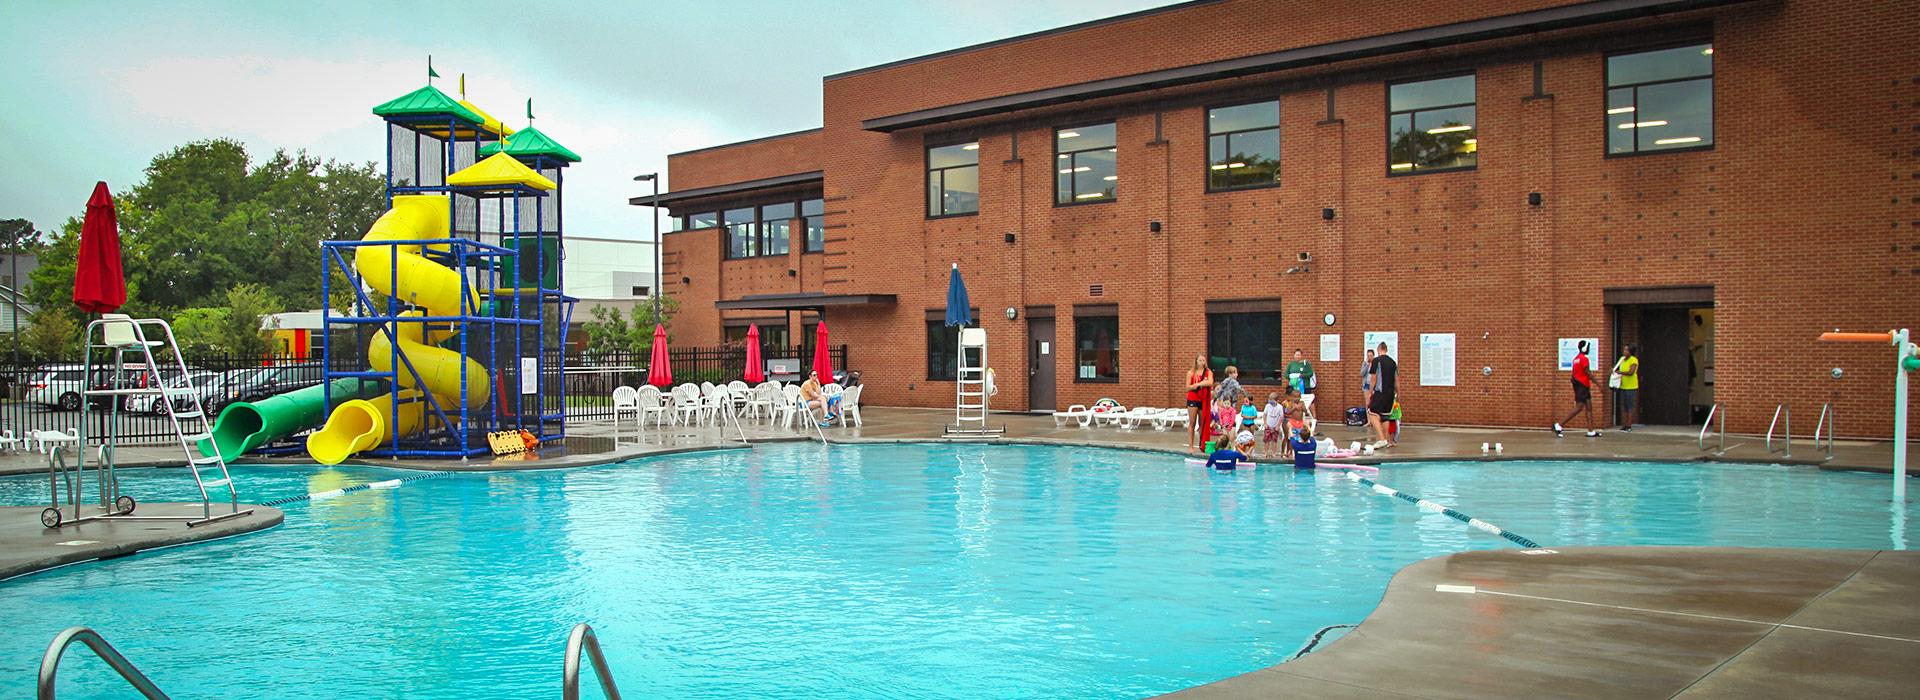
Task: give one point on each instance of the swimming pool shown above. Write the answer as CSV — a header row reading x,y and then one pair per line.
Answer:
x,y
915,570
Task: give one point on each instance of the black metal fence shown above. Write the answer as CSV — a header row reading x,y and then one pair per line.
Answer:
x,y
46,395
591,378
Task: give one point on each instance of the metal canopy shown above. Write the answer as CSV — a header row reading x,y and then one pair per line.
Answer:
x,y
804,301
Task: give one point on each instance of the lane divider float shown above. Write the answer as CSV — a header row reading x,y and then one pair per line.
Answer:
x,y
336,493
1432,507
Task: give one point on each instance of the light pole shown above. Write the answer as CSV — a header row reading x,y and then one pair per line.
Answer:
x,y
653,206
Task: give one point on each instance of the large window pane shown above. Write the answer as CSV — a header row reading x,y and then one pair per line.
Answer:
x,y
1081,138
1096,348
1095,172
1259,115
943,350
740,230
1087,166
1253,158
950,156
1249,341
708,219
1436,130
1243,146
960,190
953,179
1654,66
816,222
776,228
1660,100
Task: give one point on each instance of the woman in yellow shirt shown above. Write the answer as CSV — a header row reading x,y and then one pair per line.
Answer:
x,y
1628,369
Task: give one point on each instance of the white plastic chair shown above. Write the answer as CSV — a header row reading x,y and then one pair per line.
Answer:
x,y
762,397
1137,417
1077,413
850,406
706,389
740,393
686,404
8,442
787,406
625,400
652,404
714,405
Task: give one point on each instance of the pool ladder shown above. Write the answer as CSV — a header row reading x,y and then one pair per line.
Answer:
x,y
1783,419
1712,413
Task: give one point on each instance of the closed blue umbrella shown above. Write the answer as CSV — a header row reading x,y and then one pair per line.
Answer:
x,y
958,313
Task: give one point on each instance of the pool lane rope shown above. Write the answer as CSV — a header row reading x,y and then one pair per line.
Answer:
x,y
336,493
1432,507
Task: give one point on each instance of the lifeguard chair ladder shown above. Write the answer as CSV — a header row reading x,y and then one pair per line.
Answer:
x,y
973,389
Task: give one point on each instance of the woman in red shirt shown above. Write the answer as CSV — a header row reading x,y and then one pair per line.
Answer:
x,y
1582,392
1199,386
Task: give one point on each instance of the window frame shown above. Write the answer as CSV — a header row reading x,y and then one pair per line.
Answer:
x,y
1206,145
761,221
926,163
1280,363
1387,98
939,323
1053,164
1606,86
726,240
1101,313
806,238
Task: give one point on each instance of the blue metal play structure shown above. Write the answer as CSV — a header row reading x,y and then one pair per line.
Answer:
x,y
458,304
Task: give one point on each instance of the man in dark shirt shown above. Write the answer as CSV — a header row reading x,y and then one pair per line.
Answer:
x,y
1387,373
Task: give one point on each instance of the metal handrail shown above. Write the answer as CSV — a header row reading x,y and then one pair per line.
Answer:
x,y
50,663
1702,440
582,638
1829,421
1786,445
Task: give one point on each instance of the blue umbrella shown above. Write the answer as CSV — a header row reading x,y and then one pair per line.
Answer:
x,y
958,313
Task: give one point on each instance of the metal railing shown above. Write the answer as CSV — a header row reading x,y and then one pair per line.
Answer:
x,y
50,663
1786,443
1702,440
1829,423
582,638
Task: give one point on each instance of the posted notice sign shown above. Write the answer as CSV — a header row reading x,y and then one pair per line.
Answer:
x,y
1436,359
1569,347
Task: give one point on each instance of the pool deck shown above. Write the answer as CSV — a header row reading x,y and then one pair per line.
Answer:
x,y
1623,622
27,547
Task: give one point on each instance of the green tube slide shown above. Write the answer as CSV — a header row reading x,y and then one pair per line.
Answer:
x,y
246,425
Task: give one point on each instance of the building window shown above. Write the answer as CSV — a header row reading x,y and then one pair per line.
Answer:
x,y
1087,164
1660,100
1430,126
640,291
1243,146
813,210
1249,340
776,228
953,179
741,241
1096,346
710,219
943,346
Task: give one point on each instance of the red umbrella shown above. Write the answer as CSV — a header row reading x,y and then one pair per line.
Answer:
x,y
659,370
755,374
99,286
822,359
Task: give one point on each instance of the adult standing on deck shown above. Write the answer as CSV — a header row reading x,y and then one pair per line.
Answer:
x,y
1199,389
1582,393
1628,370
1300,378
1386,374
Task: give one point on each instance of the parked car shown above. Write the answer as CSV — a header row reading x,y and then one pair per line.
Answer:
x,y
129,376
58,386
255,384
205,383
234,384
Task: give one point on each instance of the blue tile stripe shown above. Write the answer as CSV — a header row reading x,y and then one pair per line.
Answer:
x,y
324,495
1427,505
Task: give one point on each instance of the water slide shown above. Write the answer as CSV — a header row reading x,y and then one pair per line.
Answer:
x,y
246,425
402,272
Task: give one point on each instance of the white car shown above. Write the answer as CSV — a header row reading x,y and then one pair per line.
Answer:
x,y
204,382
59,386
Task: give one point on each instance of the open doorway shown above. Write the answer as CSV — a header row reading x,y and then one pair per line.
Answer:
x,y
1673,329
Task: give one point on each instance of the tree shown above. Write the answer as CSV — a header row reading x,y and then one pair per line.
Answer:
x,y
19,236
610,331
240,332
200,330
55,334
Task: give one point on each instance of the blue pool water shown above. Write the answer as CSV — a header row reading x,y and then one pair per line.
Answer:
x,y
871,571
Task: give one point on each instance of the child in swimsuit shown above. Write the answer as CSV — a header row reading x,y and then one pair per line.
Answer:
x,y
1274,418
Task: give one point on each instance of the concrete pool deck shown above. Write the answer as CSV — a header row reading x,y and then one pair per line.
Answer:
x,y
1623,622
26,546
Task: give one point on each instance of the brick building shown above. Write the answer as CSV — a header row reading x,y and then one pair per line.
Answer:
x,y
1716,181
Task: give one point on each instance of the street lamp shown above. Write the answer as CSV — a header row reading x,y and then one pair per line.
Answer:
x,y
653,205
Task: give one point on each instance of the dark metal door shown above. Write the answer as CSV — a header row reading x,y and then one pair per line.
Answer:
x,y
1040,351
1664,358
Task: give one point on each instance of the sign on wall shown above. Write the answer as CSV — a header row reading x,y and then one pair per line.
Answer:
x,y
529,375
1436,359
1373,339
1569,347
1329,347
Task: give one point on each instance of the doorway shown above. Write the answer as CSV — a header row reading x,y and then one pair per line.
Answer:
x,y
1040,349
1673,329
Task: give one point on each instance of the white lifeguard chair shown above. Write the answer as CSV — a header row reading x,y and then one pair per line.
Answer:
x,y
973,389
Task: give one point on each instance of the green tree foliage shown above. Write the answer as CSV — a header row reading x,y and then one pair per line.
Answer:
x,y
199,329
19,235
611,331
55,334
240,332
207,218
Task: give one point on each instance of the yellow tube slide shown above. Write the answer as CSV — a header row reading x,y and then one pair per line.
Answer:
x,y
402,272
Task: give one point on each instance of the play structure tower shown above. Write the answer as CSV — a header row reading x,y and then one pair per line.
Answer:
x,y
457,307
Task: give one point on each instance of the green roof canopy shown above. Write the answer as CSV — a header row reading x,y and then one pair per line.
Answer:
x,y
428,100
531,142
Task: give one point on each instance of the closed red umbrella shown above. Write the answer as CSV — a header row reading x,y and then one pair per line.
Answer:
x,y
99,285
659,370
822,359
755,374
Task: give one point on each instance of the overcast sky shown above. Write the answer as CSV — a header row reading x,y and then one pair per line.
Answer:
x,y
94,90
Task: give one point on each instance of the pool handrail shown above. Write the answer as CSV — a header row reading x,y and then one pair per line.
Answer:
x,y
1786,446
583,638
50,663
1708,425
1828,422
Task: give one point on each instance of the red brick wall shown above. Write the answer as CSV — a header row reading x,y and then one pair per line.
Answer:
x,y
1804,217
763,158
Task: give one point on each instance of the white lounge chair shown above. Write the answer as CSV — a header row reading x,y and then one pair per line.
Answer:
x,y
1137,417
652,404
1170,417
1107,412
1077,412
625,400
8,442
